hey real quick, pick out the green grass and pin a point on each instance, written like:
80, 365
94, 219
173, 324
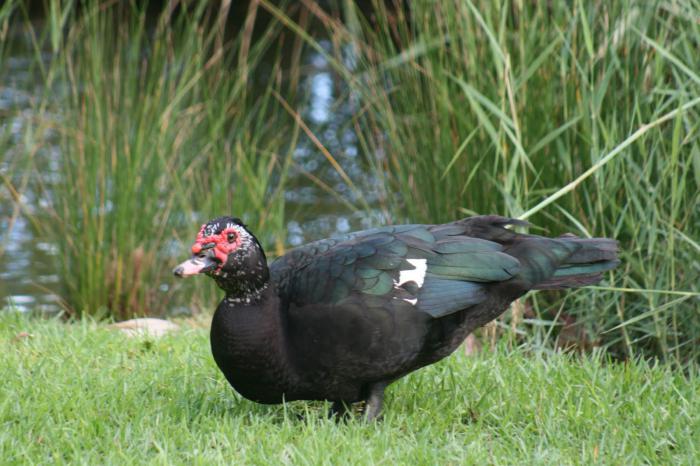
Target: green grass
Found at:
83, 394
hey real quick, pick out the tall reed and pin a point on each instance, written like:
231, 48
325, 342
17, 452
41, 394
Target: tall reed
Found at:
160, 131
488, 107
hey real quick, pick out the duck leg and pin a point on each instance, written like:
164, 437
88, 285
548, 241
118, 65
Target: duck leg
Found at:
374, 401
339, 410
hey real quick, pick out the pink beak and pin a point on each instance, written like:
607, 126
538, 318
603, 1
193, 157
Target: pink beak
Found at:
194, 265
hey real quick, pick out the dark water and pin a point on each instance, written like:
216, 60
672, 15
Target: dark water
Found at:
28, 276
26, 263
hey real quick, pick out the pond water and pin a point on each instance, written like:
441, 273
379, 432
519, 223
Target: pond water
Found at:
28, 276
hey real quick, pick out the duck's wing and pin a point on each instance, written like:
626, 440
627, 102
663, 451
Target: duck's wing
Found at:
437, 269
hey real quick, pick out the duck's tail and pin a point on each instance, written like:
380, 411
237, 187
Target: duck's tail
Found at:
585, 266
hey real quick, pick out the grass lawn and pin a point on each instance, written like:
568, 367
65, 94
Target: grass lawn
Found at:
82, 393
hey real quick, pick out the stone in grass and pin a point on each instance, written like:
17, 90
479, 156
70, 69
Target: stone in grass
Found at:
146, 326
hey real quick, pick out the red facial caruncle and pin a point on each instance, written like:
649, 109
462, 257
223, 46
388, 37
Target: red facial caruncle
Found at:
224, 243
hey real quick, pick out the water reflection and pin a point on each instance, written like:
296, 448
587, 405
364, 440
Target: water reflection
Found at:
315, 213
321, 97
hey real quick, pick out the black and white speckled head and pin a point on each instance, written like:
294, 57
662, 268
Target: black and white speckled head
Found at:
230, 254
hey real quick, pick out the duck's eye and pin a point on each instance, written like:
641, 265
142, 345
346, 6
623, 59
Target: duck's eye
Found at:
231, 237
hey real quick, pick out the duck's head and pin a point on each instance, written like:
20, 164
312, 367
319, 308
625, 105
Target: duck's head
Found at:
226, 251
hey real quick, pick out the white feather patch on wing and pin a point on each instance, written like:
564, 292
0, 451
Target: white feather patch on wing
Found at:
416, 275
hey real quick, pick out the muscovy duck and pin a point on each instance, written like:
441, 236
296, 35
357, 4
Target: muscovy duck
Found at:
340, 319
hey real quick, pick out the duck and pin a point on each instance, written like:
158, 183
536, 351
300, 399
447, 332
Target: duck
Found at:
340, 319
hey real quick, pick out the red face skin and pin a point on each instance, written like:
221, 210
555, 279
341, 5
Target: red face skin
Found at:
222, 246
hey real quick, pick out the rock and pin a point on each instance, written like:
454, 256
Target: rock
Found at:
145, 326
22, 336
